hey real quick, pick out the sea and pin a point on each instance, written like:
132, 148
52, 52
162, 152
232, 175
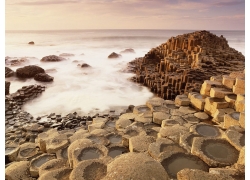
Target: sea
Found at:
104, 85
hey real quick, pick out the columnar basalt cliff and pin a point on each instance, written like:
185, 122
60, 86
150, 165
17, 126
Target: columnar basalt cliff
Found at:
180, 65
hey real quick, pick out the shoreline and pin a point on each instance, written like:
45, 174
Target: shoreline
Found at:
164, 138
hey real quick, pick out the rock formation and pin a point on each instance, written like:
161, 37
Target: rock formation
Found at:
9, 72
52, 58
114, 55
43, 77
29, 71
180, 65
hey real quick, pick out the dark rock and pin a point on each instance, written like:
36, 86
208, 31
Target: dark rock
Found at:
52, 58
114, 55
7, 87
128, 51
9, 72
29, 71
31, 42
43, 77
84, 65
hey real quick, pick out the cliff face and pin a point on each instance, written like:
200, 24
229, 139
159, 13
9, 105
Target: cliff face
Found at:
180, 65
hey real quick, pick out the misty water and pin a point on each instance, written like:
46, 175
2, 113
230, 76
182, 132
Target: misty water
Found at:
103, 85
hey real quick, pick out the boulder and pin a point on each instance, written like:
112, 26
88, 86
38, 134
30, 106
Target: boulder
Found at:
114, 55
9, 72
52, 58
18, 170
31, 42
84, 65
43, 77
29, 71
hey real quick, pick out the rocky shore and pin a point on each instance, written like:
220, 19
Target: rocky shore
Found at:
195, 130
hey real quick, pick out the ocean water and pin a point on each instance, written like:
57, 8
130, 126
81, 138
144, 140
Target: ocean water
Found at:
103, 85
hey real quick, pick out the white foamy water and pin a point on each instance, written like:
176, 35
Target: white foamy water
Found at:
103, 85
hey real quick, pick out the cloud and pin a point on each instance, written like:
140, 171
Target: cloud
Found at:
229, 3
45, 2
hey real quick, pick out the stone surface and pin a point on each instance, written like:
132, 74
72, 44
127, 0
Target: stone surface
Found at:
52, 58
114, 55
135, 166
43, 77
18, 170
29, 71
140, 143
9, 72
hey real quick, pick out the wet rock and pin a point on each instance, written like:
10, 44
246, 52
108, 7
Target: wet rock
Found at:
27, 151
215, 152
52, 58
43, 77
129, 166
29, 71
39, 161
9, 72
114, 55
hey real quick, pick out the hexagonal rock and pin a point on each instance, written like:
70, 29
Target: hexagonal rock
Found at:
182, 100
99, 125
170, 122
52, 165
195, 174
197, 101
215, 152
206, 130
62, 174
131, 131
219, 92
89, 169
99, 120
207, 85
172, 132
173, 162
141, 109
201, 115
241, 159
158, 117
62, 153
231, 119
212, 104
228, 81
240, 105
122, 123
242, 119
99, 132
11, 152
116, 150
114, 138
55, 143
77, 144
80, 134
144, 119
135, 166
183, 110
186, 140
162, 145
231, 98
190, 118
220, 113
18, 170
27, 151
42, 137
38, 161
156, 101
235, 138
92, 151
140, 143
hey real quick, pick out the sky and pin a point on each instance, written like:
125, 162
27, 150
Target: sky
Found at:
124, 14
